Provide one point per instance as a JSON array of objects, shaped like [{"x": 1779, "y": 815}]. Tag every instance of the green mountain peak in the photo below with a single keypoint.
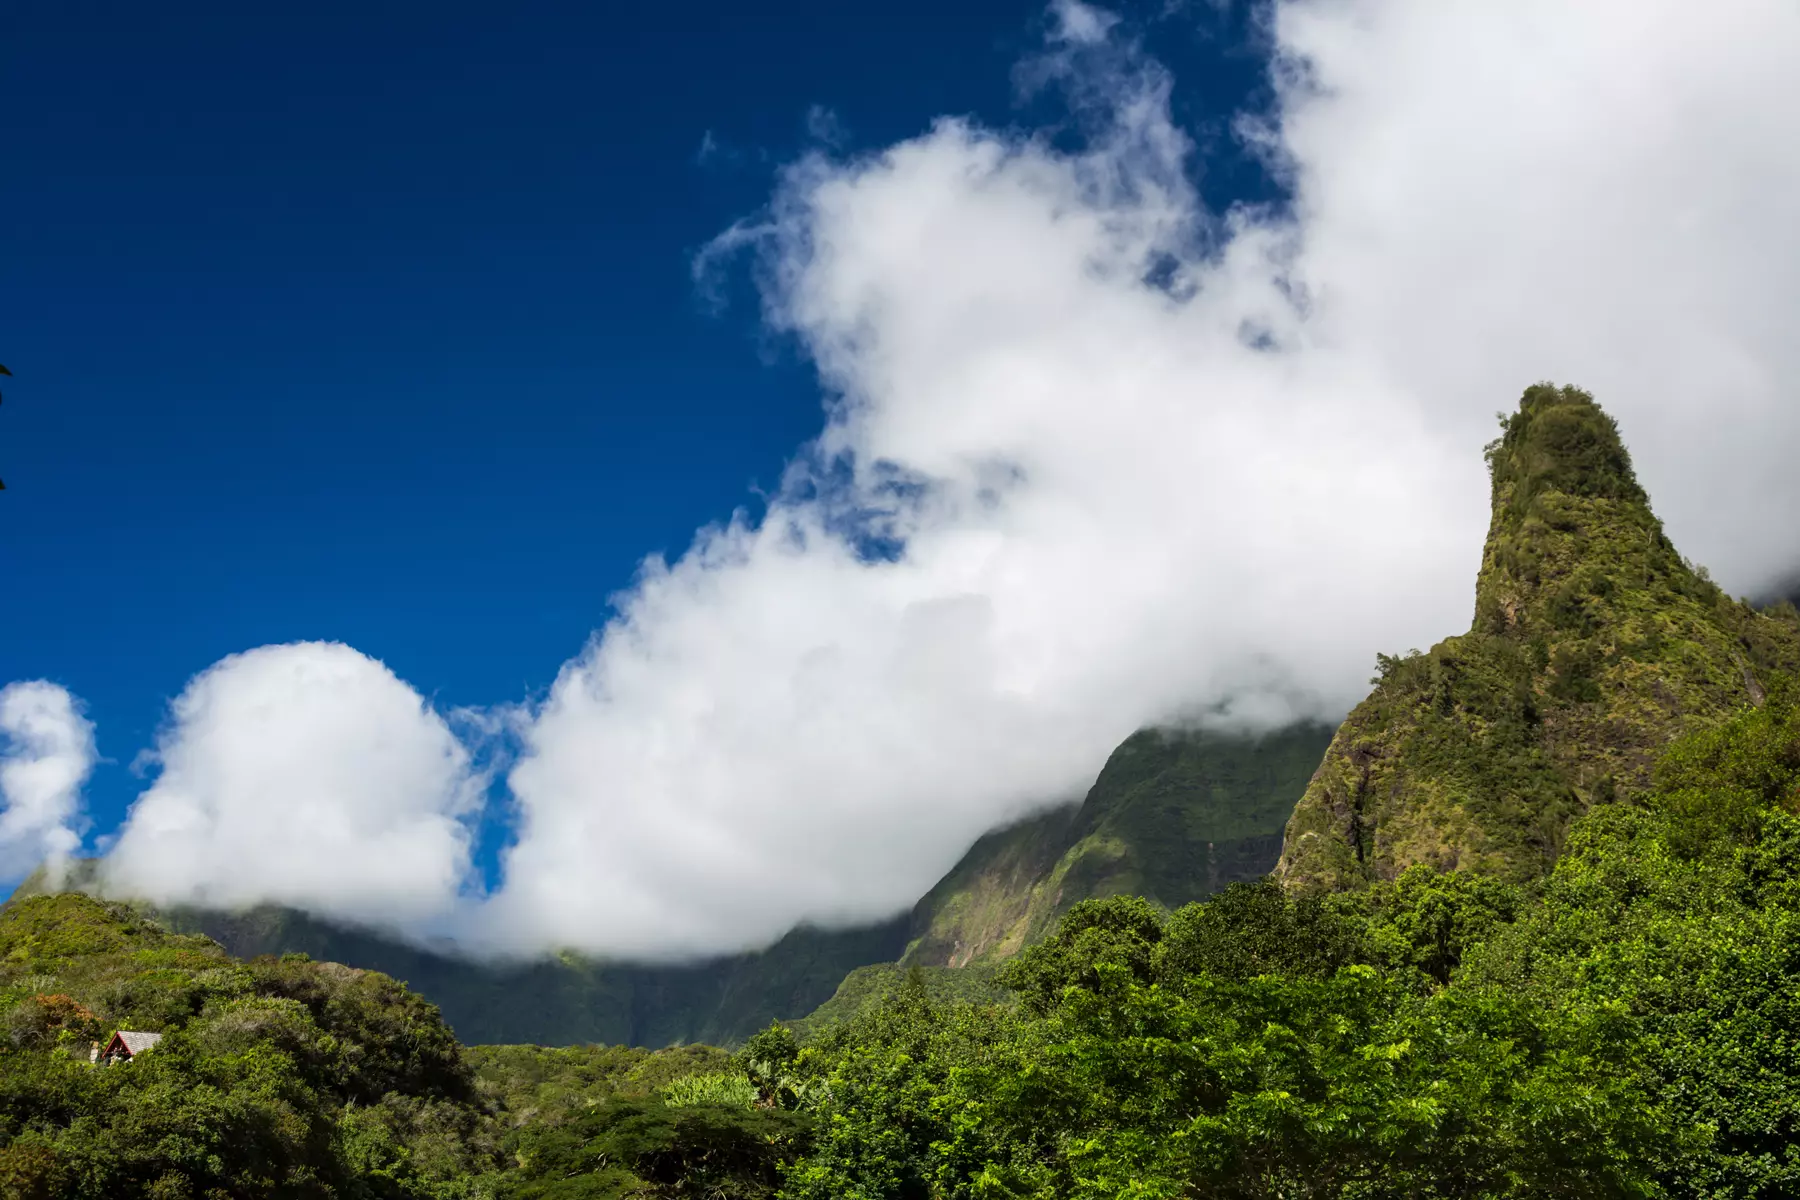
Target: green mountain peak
[
  {"x": 1593, "y": 645},
  {"x": 1567, "y": 508}
]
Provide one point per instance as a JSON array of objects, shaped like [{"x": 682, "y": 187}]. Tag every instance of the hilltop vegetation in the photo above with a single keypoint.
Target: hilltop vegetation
[
  {"x": 279, "y": 1077},
  {"x": 1593, "y": 645}
]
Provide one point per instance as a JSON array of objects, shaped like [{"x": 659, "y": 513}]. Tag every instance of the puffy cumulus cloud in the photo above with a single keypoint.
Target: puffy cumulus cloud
[
  {"x": 47, "y": 756},
  {"x": 1097, "y": 458},
  {"x": 304, "y": 774}
]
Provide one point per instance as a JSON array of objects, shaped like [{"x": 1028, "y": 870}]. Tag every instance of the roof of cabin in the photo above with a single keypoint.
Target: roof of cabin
[{"x": 135, "y": 1042}]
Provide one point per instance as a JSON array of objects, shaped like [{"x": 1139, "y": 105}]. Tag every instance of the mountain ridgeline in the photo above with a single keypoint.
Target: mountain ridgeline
[
  {"x": 1594, "y": 645},
  {"x": 1174, "y": 815}
]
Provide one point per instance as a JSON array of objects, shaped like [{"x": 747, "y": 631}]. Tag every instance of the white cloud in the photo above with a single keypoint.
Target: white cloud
[
  {"x": 1118, "y": 502},
  {"x": 1118, "y": 508},
  {"x": 305, "y": 774},
  {"x": 1598, "y": 193},
  {"x": 1079, "y": 23},
  {"x": 48, "y": 754}
]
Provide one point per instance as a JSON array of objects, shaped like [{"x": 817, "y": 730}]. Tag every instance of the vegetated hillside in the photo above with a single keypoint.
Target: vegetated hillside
[
  {"x": 1174, "y": 816},
  {"x": 1593, "y": 645},
  {"x": 1620, "y": 1030},
  {"x": 1618, "y": 1027},
  {"x": 868, "y": 988},
  {"x": 275, "y": 1078},
  {"x": 570, "y": 999}
]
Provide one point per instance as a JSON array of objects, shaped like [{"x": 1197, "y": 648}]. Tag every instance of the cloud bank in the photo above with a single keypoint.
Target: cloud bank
[
  {"x": 1094, "y": 458},
  {"x": 46, "y": 754},
  {"x": 306, "y": 775}
]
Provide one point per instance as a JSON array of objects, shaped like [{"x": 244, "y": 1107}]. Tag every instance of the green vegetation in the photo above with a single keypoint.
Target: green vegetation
[
  {"x": 869, "y": 987},
  {"x": 546, "y": 1084},
  {"x": 1594, "y": 644},
  {"x": 1622, "y": 1028},
  {"x": 576, "y": 999},
  {"x": 1567, "y": 963},
  {"x": 1174, "y": 816},
  {"x": 280, "y": 1077}
]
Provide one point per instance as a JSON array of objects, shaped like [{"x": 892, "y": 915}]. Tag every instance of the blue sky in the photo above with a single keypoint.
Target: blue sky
[
  {"x": 373, "y": 322},
  {"x": 369, "y": 335}
]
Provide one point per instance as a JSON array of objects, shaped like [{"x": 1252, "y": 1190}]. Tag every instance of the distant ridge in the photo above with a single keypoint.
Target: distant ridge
[{"x": 1174, "y": 815}]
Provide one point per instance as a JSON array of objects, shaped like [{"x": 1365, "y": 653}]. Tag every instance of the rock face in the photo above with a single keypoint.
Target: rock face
[{"x": 1594, "y": 643}]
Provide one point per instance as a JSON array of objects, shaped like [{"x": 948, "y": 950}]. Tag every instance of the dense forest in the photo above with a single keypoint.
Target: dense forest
[{"x": 1535, "y": 932}]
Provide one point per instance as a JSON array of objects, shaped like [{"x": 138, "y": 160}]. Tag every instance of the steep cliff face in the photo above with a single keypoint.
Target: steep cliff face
[
  {"x": 1594, "y": 643},
  {"x": 1175, "y": 815}
]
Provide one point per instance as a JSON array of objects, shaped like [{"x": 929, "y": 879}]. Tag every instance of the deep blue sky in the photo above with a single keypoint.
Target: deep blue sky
[{"x": 373, "y": 321}]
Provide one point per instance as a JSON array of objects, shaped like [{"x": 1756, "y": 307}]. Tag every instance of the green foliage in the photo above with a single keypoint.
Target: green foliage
[
  {"x": 1716, "y": 787},
  {"x": 1593, "y": 645},
  {"x": 719, "y": 1089},
  {"x": 1260, "y": 928},
  {"x": 577, "y": 1000},
  {"x": 1124, "y": 1073},
  {"x": 1624, "y": 1028},
  {"x": 1099, "y": 942},
  {"x": 636, "y": 1148},
  {"x": 1175, "y": 815},
  {"x": 867, "y": 987},
  {"x": 546, "y": 1084},
  {"x": 257, "y": 1088},
  {"x": 1426, "y": 920}
]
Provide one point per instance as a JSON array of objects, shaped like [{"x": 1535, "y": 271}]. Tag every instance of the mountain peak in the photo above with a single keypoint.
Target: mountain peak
[
  {"x": 1559, "y": 440},
  {"x": 1570, "y": 520},
  {"x": 1593, "y": 644}
]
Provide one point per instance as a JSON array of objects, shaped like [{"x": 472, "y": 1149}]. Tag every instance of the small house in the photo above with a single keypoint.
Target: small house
[{"x": 126, "y": 1045}]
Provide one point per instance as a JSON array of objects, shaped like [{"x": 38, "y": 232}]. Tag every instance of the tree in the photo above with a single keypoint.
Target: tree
[{"x": 3, "y": 371}]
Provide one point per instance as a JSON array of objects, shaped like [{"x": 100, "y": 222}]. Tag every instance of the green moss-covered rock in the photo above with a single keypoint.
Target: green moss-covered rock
[{"x": 1594, "y": 645}]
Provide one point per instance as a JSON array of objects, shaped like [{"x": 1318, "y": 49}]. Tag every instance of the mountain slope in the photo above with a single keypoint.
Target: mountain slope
[
  {"x": 1593, "y": 645},
  {"x": 1175, "y": 815},
  {"x": 570, "y": 999}
]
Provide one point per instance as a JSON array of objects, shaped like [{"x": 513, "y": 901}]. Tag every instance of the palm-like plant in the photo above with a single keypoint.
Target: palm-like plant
[{"x": 3, "y": 371}]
